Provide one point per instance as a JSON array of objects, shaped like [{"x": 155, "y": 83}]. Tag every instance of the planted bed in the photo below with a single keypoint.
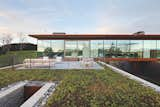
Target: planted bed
[{"x": 88, "y": 88}]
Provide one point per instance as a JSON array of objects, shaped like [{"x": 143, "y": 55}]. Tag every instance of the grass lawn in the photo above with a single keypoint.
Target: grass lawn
[
  {"x": 18, "y": 56},
  {"x": 88, "y": 88}
]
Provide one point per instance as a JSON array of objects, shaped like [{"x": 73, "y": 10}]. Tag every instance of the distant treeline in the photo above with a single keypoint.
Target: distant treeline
[{"x": 17, "y": 47}]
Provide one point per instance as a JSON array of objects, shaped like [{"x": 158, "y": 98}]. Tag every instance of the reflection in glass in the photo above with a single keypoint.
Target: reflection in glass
[
  {"x": 102, "y": 48},
  {"x": 158, "y": 48},
  {"x": 83, "y": 49},
  {"x": 136, "y": 48},
  {"x": 110, "y": 48},
  {"x": 97, "y": 48},
  {"x": 57, "y": 47},
  {"x": 123, "y": 48},
  {"x": 149, "y": 49},
  {"x": 43, "y": 44},
  {"x": 71, "y": 49}
]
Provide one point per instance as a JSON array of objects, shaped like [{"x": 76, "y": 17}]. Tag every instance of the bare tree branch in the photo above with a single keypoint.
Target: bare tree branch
[
  {"x": 6, "y": 39},
  {"x": 22, "y": 40}
]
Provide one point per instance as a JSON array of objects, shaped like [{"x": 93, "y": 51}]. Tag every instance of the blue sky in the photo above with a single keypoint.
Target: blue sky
[{"x": 79, "y": 16}]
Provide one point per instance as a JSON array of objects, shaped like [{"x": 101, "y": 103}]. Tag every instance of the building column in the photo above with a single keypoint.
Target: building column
[
  {"x": 64, "y": 48},
  {"x": 37, "y": 48}
]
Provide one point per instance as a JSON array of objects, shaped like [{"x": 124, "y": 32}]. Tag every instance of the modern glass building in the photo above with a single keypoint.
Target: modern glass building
[{"x": 100, "y": 45}]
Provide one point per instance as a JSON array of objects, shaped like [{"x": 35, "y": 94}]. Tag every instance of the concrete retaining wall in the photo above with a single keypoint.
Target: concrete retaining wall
[
  {"x": 38, "y": 99},
  {"x": 133, "y": 77},
  {"x": 8, "y": 67},
  {"x": 13, "y": 96}
]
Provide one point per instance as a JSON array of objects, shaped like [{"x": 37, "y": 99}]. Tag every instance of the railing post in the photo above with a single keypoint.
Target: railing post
[
  {"x": 12, "y": 57},
  {"x": 49, "y": 64},
  {"x": 30, "y": 63}
]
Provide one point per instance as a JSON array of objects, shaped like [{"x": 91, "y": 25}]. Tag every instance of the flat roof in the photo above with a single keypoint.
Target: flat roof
[{"x": 96, "y": 36}]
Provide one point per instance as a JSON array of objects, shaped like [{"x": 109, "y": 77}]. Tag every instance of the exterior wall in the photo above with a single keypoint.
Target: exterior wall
[{"x": 102, "y": 48}]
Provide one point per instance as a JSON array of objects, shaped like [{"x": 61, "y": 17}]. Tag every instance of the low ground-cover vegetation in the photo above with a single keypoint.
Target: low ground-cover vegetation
[
  {"x": 89, "y": 88},
  {"x": 15, "y": 57}
]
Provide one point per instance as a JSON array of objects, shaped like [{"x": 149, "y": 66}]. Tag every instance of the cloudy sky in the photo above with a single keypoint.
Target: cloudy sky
[{"x": 79, "y": 16}]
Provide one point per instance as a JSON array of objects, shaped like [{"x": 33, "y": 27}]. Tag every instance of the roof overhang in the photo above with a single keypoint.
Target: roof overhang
[{"x": 96, "y": 36}]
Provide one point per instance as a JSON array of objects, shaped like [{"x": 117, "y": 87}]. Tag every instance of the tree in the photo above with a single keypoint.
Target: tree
[
  {"x": 112, "y": 49},
  {"x": 22, "y": 40},
  {"x": 48, "y": 51},
  {"x": 6, "y": 41},
  {"x": 2, "y": 40}
]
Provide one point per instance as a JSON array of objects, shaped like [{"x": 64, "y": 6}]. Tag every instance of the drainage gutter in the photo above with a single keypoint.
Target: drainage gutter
[{"x": 133, "y": 77}]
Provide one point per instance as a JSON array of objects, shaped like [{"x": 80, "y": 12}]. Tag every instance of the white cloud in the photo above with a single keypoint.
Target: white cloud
[{"x": 47, "y": 16}]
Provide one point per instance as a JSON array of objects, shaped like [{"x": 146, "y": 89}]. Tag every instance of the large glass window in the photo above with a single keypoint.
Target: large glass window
[
  {"x": 97, "y": 48},
  {"x": 102, "y": 48},
  {"x": 123, "y": 48},
  {"x": 136, "y": 48},
  {"x": 43, "y": 44},
  {"x": 44, "y": 48},
  {"x": 83, "y": 48},
  {"x": 150, "y": 50},
  {"x": 71, "y": 48},
  {"x": 57, "y": 47},
  {"x": 110, "y": 48},
  {"x": 158, "y": 48}
]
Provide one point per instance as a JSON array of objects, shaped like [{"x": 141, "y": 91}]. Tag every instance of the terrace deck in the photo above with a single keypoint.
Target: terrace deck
[{"x": 65, "y": 65}]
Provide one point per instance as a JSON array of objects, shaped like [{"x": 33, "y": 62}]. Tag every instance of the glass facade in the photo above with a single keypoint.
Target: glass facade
[
  {"x": 97, "y": 48},
  {"x": 57, "y": 47},
  {"x": 71, "y": 49},
  {"x": 150, "y": 49},
  {"x": 110, "y": 48},
  {"x": 84, "y": 49},
  {"x": 102, "y": 48},
  {"x": 123, "y": 49},
  {"x": 42, "y": 45},
  {"x": 136, "y": 48},
  {"x": 158, "y": 48}
]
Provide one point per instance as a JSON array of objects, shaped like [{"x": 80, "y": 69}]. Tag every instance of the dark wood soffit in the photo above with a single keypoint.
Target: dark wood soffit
[{"x": 96, "y": 37}]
